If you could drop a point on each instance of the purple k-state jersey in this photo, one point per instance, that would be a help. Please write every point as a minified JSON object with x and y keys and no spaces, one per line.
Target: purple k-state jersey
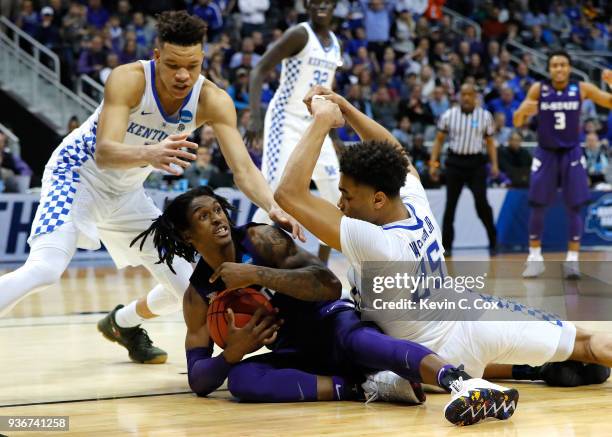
{"x":559,"y":116}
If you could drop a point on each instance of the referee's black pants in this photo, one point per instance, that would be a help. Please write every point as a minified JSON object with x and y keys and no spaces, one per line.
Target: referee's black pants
{"x":471,"y":171}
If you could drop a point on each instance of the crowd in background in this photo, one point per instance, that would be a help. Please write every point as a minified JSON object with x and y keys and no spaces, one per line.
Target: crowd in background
{"x":403,"y":60}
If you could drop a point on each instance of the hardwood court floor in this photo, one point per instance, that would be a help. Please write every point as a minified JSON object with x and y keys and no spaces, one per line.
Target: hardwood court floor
{"x":54,"y":362}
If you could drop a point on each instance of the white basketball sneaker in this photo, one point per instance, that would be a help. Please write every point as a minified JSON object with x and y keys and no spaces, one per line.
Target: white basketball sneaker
{"x":534,"y":266}
{"x":390,"y":387}
{"x":476,"y":399}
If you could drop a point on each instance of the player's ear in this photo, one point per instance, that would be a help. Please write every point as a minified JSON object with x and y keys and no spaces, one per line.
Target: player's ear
{"x":380,"y":199}
{"x":156,"y":54}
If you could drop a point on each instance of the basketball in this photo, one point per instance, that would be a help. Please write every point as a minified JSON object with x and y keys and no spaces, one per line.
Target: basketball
{"x":244,"y":302}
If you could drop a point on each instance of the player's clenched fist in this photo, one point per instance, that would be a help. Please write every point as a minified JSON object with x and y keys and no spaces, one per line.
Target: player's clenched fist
{"x":322,"y":91}
{"x":169,"y":151}
{"x":324,"y":110}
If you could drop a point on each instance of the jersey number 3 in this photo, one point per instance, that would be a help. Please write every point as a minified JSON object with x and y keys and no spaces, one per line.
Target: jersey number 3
{"x":559,"y":120}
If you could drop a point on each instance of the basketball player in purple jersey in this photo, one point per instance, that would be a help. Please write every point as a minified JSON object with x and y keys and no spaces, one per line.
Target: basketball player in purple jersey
{"x":322,"y":350}
{"x":558,"y":159}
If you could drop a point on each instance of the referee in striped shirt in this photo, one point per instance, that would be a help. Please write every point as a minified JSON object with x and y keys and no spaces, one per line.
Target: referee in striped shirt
{"x":467,"y":127}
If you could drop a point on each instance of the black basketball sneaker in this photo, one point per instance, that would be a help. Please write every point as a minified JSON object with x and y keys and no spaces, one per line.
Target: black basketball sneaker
{"x":135,"y":340}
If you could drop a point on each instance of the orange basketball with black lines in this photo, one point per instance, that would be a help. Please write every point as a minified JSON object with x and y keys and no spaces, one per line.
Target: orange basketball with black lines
{"x":243,"y":302}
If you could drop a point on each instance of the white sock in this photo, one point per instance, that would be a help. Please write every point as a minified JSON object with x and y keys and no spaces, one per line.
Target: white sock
{"x":127,"y":317}
{"x":535,"y":252}
{"x":572,"y":255}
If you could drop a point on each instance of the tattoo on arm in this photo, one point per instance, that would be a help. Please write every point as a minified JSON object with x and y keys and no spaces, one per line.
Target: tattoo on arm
{"x":295,"y":272}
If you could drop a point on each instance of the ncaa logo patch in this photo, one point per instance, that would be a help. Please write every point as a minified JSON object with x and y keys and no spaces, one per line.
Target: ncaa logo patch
{"x":599,"y":217}
{"x":186,"y":116}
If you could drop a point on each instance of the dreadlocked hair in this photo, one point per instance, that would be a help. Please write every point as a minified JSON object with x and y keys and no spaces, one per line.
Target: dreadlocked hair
{"x":168,"y":229}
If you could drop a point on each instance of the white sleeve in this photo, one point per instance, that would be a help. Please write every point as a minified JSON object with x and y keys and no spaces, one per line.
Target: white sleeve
{"x":413,"y":191}
{"x":363,"y":241}
{"x":443,"y":122}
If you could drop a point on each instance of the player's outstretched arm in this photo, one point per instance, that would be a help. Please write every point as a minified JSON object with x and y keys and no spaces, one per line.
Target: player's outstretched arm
{"x":600,"y":97}
{"x":293,"y":271}
{"x":528,"y":107}
{"x":291,"y":43}
{"x":247,"y":177}
{"x":123,"y":92}
{"x":293,"y":194}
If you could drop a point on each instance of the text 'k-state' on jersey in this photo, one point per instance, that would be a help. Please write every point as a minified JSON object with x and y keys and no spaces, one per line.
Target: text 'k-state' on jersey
{"x":559,"y":116}
{"x":147,"y":124}
{"x":313,"y":65}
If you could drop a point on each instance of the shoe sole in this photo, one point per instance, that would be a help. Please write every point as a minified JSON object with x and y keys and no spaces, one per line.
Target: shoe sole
{"x":481,"y":405}
{"x":572,"y":276}
{"x":160,"y":359}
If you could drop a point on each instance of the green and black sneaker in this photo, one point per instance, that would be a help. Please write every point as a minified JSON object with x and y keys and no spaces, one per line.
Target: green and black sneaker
{"x":135,"y":340}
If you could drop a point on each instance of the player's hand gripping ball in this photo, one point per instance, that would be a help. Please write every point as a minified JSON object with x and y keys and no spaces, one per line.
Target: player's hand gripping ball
{"x":243,"y":302}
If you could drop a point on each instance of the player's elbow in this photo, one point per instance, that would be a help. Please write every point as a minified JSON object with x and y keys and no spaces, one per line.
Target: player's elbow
{"x":101,"y":155}
{"x":284,"y":195}
{"x":329,"y":285}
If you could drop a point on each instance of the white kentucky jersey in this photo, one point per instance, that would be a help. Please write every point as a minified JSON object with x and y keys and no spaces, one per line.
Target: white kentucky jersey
{"x":147,"y":124}
{"x":313,"y":65}
{"x":416,"y":239}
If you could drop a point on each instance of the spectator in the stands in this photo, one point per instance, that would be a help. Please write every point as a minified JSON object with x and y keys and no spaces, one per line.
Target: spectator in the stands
{"x":597,"y":41}
{"x":27,"y":19}
{"x":246,"y":57}
{"x":534,"y":17}
{"x":239,"y":89}
{"x":48,"y":34}
{"x":129,"y":52}
{"x":502,"y":131}
{"x":377,"y":19}
{"x":404,"y":33}
{"x":515,"y":161}
{"x":475,"y":67}
{"x":73,"y":28}
{"x":416,"y":108}
{"x":202,"y":170}
{"x":73,"y":123}
{"x":428,"y":81}
{"x":492,"y":56}
{"x":492,"y":28}
{"x":521,"y":81}
{"x":419,"y":154}
{"x":210,"y":11}
{"x":573,"y":10}
{"x":253,"y":15}
{"x":558,"y":21}
{"x":506,"y":104}
{"x":10,"y":161}
{"x":596,"y":158}
{"x":97,"y":15}
{"x":145,"y":33}
{"x":390,"y":79}
{"x":438,"y":103}
{"x":124,"y":12}
{"x":92,"y":58}
{"x":112,"y":61}
{"x":447,"y":72}
{"x":403,"y":132}
{"x":216,"y":71}
{"x":384,"y":108}
{"x":354,"y":44}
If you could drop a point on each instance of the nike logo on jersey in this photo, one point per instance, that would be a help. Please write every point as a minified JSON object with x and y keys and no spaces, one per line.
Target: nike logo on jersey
{"x":146,"y":113}
{"x":575,"y":163}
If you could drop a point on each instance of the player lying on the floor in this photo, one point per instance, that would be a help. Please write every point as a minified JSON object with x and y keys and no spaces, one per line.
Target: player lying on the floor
{"x":322,"y":350}
{"x":383,"y":209}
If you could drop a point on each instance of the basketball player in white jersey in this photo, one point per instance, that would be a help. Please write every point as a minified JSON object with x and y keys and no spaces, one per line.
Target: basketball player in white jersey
{"x":379,"y":220}
{"x":310,"y":54}
{"x":93,"y":183}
